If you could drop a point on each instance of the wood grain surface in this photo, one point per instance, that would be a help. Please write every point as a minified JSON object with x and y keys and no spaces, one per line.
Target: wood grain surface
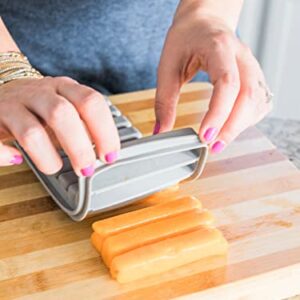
{"x":253,"y":191}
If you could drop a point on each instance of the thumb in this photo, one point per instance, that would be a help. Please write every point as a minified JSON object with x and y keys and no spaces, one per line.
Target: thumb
{"x":167,"y":92}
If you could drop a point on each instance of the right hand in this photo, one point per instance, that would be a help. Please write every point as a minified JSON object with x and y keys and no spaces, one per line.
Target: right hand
{"x":197,"y":41}
{"x":71,"y":110}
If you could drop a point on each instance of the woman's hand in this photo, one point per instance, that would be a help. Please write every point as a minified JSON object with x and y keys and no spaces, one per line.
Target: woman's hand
{"x":199,"y":41}
{"x":71,"y":110}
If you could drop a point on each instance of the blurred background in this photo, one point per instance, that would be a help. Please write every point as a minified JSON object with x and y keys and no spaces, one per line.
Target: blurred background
{"x":272,"y":30}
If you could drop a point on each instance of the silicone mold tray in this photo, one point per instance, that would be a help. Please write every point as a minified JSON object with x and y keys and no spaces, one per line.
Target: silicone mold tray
{"x":145,"y":165}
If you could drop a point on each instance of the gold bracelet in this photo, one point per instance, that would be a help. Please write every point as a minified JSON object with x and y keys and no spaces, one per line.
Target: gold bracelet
{"x":15,"y":65}
{"x":12,"y":54}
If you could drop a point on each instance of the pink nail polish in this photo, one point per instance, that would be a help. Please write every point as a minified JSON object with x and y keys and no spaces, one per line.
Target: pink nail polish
{"x":111,"y":157}
{"x":210,"y":133}
{"x":88,"y":171}
{"x":156,"y":128}
{"x":218,"y":147}
{"x":16,"y":160}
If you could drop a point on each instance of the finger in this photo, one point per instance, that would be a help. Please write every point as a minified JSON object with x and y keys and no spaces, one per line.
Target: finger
{"x":33,"y":138}
{"x":64,"y":120}
{"x":223,"y":70}
{"x":96,"y":114}
{"x":168,"y":89}
{"x":9,"y":155}
{"x":250,"y":107}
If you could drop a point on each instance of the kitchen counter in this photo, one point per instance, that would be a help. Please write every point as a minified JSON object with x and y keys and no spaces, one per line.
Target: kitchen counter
{"x":285,"y":134}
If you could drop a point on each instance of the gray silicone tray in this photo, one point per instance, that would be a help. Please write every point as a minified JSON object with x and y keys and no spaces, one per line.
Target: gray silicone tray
{"x":145,"y":165}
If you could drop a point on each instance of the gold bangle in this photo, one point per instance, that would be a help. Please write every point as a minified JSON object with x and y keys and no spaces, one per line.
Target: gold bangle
{"x":15,"y":65}
{"x":13,"y":54}
{"x":12,"y":69}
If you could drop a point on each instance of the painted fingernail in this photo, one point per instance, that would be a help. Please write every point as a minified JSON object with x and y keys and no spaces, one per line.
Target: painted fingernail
{"x":16,"y":160}
{"x":88,"y":171}
{"x":210,"y":133}
{"x":156,"y":128}
{"x":111,"y":157}
{"x":218,"y":147}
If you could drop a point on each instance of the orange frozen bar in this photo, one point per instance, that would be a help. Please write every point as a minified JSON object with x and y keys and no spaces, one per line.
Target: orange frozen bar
{"x":96,"y":241}
{"x":152,"y":232}
{"x":165,"y":195}
{"x":135,"y":218}
{"x":168,"y":254}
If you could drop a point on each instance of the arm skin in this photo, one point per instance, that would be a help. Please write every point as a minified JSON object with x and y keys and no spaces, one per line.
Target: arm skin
{"x":7,"y":42}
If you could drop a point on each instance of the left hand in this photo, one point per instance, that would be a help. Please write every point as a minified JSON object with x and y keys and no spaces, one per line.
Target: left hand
{"x":240,"y":95}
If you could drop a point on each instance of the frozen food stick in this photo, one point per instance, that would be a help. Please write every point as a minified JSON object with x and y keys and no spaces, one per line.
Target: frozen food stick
{"x":152,"y":232}
{"x":135,"y":218}
{"x":164,"y":195}
{"x":96,"y":241}
{"x":168,"y":254}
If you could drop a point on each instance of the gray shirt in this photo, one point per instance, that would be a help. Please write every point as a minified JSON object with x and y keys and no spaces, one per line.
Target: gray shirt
{"x":111,"y":45}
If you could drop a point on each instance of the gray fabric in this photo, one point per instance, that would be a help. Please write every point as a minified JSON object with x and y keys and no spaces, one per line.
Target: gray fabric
{"x":111,"y":45}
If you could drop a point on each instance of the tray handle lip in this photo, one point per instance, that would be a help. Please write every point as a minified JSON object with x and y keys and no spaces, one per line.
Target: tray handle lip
{"x":201,"y":163}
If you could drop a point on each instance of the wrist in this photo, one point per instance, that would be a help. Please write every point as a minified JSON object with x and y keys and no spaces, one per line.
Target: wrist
{"x":226,"y":12}
{"x":14,"y":65}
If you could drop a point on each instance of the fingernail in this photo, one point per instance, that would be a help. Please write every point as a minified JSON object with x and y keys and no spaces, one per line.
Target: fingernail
{"x":111,"y":157}
{"x":218,"y":147}
{"x":16,"y":160}
{"x":156,"y":128}
{"x":210,"y":133}
{"x":88,"y":171}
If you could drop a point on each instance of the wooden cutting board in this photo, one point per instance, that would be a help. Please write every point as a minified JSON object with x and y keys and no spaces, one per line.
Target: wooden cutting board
{"x":253,"y":191}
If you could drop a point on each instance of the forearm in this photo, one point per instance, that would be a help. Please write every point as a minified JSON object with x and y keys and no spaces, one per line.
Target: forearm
{"x":227,"y":10}
{"x":7,"y":42}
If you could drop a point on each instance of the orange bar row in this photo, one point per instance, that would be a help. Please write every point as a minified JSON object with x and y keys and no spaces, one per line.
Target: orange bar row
{"x":158,"y":238}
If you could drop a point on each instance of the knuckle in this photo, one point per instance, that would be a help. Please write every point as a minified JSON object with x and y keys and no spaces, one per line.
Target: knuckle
{"x":216,"y":44}
{"x":44,"y":85}
{"x":47,"y":81}
{"x":172,"y":33}
{"x":65,"y":79}
{"x":46,"y":88}
{"x":92,"y":100}
{"x":231,"y":79}
{"x":221,"y":40}
{"x":60,"y":111}
{"x":249,"y":91}
{"x":31,"y":136}
{"x":47,"y":78}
